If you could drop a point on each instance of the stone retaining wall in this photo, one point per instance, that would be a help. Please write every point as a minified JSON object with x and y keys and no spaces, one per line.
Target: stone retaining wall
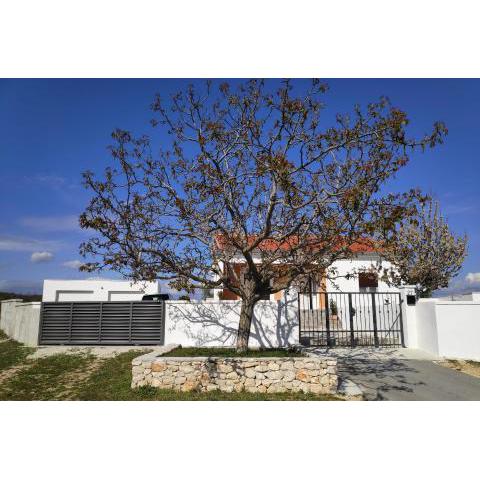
{"x":204,"y":374}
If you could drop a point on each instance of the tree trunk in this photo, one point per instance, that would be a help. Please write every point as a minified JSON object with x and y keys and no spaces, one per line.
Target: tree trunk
{"x":246,"y":315}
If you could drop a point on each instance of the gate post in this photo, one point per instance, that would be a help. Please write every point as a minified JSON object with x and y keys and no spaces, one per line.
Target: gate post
{"x":350,"y":313}
{"x":40,"y":325}
{"x":408,"y":316}
{"x":375,"y":328}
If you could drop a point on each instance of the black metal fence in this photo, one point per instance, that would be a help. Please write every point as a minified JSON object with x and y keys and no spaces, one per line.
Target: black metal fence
{"x":334,"y":319}
{"x":102,"y":323}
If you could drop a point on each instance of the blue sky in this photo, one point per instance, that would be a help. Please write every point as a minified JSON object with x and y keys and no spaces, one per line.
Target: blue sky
{"x":52,"y":130}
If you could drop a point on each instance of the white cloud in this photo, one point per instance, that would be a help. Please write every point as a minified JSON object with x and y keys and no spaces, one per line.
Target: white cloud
{"x":20,"y":244}
{"x":74,"y":264}
{"x":466,"y":284}
{"x":52,"y":223}
{"x":53,"y":181}
{"x":472,"y":278}
{"x":41,"y":257}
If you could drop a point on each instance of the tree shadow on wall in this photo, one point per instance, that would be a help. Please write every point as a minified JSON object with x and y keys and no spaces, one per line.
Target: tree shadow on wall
{"x":216,"y":323}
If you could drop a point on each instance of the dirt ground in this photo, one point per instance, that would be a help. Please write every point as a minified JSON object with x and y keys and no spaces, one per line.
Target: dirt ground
{"x":465,"y":366}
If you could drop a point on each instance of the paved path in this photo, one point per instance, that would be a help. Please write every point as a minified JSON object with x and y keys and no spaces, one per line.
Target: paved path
{"x":404,"y":374}
{"x":97,"y":351}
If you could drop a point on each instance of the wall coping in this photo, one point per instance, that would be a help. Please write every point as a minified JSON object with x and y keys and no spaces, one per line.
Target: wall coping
{"x":222,"y":302}
{"x":150,"y":356}
{"x":441,"y":301}
{"x":27,"y":304}
{"x":12,"y":300}
{"x":457,"y":302}
{"x":157,"y":355}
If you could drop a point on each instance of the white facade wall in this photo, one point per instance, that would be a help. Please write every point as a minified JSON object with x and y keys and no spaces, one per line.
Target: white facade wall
{"x":361,"y":263}
{"x":344,"y":268}
{"x":96,"y":290}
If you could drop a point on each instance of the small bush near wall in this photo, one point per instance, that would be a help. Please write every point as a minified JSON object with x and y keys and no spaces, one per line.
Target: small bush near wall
{"x":231,"y":352}
{"x":25,"y":298}
{"x":235,"y":374}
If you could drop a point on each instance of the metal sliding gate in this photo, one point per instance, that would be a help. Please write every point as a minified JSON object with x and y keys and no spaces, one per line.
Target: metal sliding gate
{"x":334,"y":319}
{"x":102,"y":323}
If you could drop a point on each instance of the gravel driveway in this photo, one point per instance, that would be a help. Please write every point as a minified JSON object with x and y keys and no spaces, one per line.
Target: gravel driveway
{"x":403,"y":374}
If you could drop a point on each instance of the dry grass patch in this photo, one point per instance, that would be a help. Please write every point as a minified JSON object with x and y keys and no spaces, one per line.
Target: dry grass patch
{"x":469,"y":367}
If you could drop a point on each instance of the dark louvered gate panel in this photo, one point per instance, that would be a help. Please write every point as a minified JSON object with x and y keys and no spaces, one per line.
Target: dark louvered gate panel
{"x":116,"y":323}
{"x":55,"y":323}
{"x":144,"y":324}
{"x":85,"y":323}
{"x":102,"y":323}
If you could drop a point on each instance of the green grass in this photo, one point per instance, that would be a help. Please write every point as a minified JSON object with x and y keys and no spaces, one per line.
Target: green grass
{"x":3,"y":335}
{"x":112,"y":382}
{"x":12,"y":353}
{"x":83,"y":377}
{"x":53,"y":378}
{"x":230,"y":352}
{"x":45,"y":379}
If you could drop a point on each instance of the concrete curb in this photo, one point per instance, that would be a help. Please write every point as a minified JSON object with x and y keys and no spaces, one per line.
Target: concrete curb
{"x":149,"y":357}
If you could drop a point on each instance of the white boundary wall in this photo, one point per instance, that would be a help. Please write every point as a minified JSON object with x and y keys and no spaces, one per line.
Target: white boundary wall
{"x":20,"y":321}
{"x":442,"y":328}
{"x":215,"y":323}
{"x":458,"y":329}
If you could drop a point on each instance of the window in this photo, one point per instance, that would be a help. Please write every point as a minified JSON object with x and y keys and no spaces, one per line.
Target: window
{"x":367,"y":282}
{"x":266,"y":296}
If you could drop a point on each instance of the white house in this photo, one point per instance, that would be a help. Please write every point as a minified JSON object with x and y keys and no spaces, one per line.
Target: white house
{"x":96,"y":290}
{"x":353,"y":275}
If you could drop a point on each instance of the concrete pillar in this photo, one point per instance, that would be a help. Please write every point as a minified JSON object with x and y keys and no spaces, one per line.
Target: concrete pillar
{"x":476,"y":296}
{"x":409,"y":316}
{"x":7,"y":315}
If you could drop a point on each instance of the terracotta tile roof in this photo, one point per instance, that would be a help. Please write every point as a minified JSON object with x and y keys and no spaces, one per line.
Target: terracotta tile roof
{"x":362,"y":246}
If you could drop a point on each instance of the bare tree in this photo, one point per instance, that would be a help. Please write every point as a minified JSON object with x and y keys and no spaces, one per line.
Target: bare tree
{"x":424,"y":251}
{"x":248,"y":173}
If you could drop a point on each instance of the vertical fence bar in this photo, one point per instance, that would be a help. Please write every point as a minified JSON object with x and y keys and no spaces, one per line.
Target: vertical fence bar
{"x":350,"y":312}
{"x":70,"y":323}
{"x":374,"y":317}
{"x":130,"y":324}
{"x":402,"y":338}
{"x":163,"y":312}
{"x":327,"y":319}
{"x":100,"y":323}
{"x":299,"y":320}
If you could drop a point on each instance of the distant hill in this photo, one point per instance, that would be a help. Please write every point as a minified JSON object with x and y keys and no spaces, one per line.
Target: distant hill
{"x":24,"y":297}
